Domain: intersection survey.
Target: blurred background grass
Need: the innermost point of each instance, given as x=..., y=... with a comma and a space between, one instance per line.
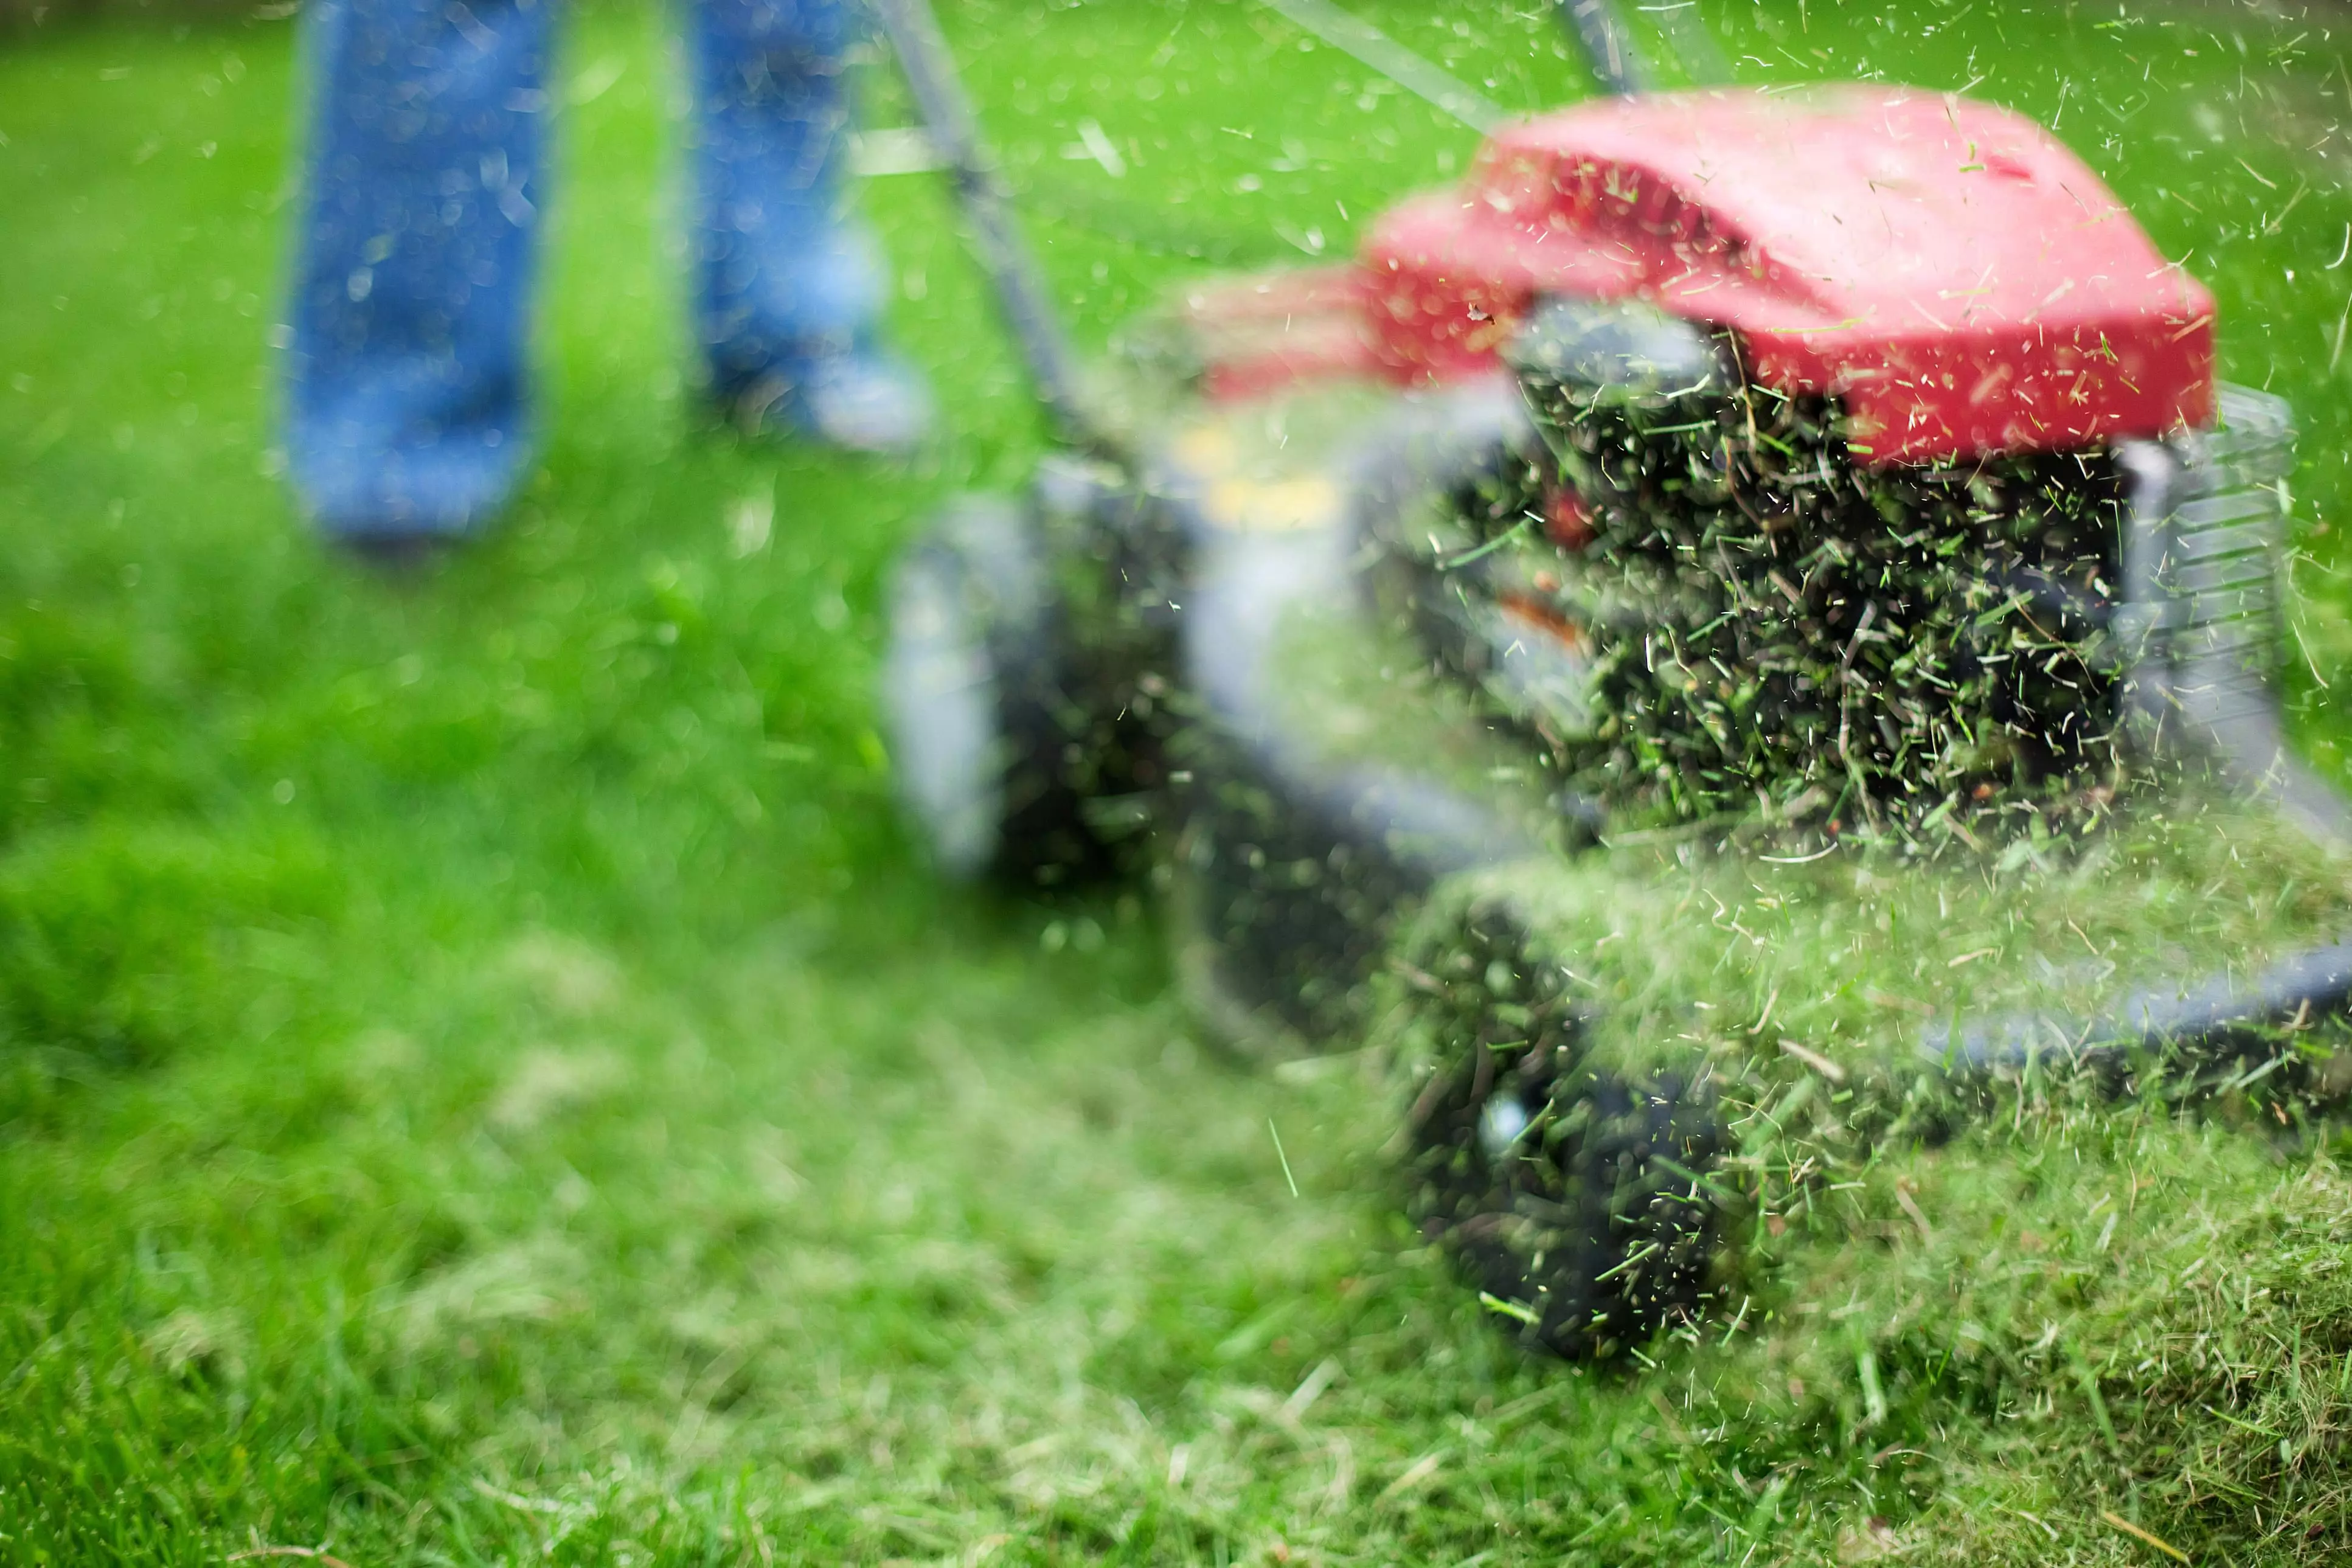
x=481, y=1072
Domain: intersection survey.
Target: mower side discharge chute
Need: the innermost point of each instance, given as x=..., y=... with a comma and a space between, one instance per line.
x=1325, y=779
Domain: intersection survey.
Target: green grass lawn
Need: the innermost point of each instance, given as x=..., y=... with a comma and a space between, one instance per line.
x=484, y=1076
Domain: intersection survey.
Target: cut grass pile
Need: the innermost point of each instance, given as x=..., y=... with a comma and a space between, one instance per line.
x=483, y=1077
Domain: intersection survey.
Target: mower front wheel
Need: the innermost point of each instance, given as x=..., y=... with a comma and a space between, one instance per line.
x=1571, y=1192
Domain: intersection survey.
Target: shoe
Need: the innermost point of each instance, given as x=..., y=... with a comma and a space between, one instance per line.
x=399, y=504
x=862, y=401
x=396, y=554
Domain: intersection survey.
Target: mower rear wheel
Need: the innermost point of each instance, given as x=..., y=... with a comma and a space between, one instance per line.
x=982, y=700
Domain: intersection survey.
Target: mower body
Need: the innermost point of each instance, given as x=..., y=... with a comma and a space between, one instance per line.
x=1776, y=478
x=1955, y=277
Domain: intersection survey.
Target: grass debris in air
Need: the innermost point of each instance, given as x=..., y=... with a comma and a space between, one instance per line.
x=481, y=1078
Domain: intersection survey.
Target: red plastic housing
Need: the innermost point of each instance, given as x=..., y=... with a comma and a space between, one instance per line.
x=1961, y=281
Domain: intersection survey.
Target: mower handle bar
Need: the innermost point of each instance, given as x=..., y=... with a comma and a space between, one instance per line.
x=1004, y=253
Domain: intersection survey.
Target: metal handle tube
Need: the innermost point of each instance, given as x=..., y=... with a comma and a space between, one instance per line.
x=1607, y=46
x=1354, y=35
x=1004, y=253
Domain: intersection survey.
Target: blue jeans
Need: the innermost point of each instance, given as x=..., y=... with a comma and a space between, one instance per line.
x=408, y=408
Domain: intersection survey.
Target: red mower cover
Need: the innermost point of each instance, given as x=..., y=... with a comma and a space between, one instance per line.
x=1961, y=281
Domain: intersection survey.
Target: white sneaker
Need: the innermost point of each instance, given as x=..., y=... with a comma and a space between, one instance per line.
x=860, y=402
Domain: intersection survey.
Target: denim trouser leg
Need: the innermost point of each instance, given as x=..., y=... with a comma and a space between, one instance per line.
x=406, y=398
x=784, y=275
x=407, y=405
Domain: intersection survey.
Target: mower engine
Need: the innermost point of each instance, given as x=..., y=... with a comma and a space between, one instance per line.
x=1881, y=476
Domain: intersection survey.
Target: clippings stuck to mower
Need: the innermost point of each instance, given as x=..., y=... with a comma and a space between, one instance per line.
x=1736, y=640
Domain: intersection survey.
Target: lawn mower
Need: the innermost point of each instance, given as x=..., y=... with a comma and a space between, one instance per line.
x=1740, y=634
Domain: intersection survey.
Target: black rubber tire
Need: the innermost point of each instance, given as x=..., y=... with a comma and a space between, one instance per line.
x=1572, y=1197
x=985, y=707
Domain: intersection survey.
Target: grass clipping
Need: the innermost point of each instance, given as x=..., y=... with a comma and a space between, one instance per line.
x=2030, y=1298
x=1773, y=618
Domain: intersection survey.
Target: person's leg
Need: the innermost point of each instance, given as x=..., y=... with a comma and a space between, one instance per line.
x=406, y=407
x=789, y=284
